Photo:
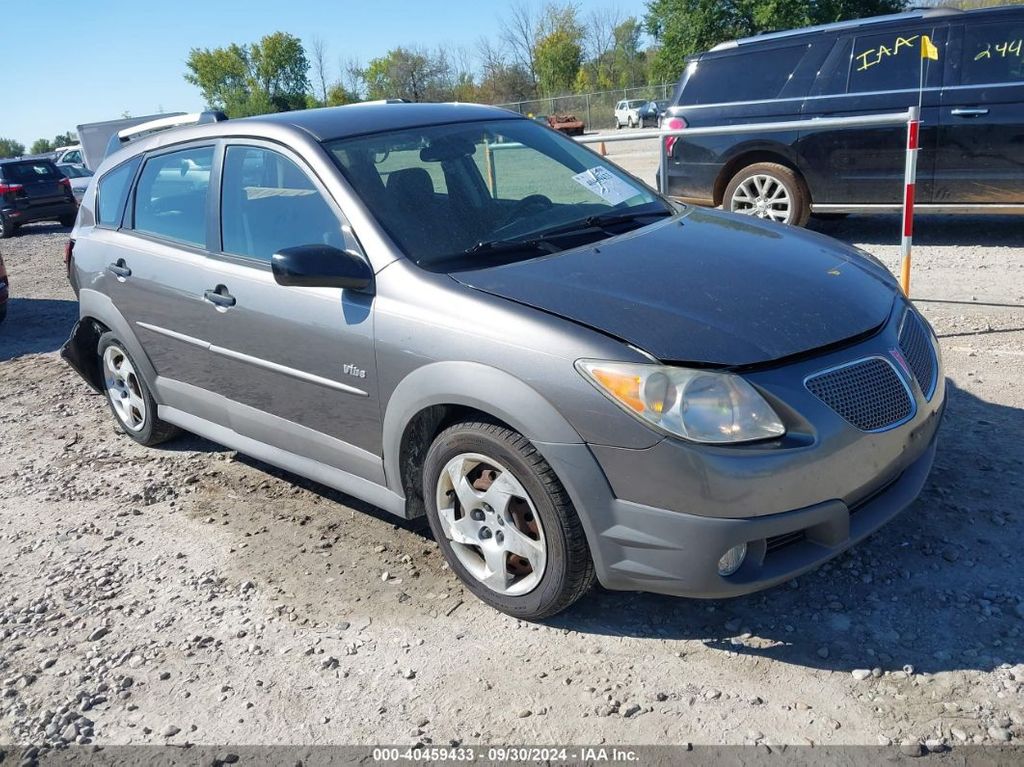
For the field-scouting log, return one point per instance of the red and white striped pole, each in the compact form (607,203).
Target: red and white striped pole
(910,179)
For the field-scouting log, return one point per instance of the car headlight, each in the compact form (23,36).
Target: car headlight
(698,405)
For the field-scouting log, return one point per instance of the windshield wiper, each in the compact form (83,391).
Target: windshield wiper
(499,246)
(601,220)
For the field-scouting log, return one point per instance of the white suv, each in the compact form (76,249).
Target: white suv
(627,112)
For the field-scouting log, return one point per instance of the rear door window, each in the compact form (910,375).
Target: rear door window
(171,196)
(745,76)
(891,62)
(112,192)
(993,53)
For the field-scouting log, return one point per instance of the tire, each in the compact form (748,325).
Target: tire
(630,123)
(7,229)
(618,125)
(771,191)
(128,395)
(68,221)
(519,505)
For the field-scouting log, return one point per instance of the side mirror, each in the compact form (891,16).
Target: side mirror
(321,266)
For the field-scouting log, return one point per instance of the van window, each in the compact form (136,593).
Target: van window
(171,197)
(889,62)
(269,203)
(993,53)
(112,191)
(745,76)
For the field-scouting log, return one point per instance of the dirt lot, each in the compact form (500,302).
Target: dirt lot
(190,594)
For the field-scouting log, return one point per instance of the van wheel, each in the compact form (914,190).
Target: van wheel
(770,191)
(504,522)
(128,395)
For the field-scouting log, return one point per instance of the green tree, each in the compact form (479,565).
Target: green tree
(629,66)
(41,146)
(558,51)
(411,74)
(65,139)
(685,27)
(338,95)
(271,75)
(11,148)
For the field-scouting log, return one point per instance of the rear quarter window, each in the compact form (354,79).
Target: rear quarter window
(112,191)
(744,76)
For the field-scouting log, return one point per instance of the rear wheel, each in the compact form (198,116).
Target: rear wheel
(6,228)
(771,191)
(67,221)
(128,395)
(504,522)
(630,123)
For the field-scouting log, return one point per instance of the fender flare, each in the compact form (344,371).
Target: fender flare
(469,384)
(97,306)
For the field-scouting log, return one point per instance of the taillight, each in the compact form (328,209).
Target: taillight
(5,188)
(674,123)
(69,249)
(66,183)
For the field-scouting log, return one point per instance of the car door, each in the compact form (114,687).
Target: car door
(981,127)
(296,364)
(865,74)
(154,268)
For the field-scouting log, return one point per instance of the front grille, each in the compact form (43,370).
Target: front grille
(919,353)
(868,393)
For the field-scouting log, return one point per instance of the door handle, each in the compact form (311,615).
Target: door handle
(119,269)
(220,297)
(969,112)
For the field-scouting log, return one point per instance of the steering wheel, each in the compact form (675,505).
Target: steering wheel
(536,202)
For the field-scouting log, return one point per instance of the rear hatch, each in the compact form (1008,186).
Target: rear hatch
(34,183)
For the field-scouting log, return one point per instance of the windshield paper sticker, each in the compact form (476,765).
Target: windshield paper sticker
(605,185)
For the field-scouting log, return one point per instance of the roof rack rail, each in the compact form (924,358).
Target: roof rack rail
(135,132)
(925,13)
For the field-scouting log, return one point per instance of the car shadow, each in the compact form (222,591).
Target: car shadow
(36,326)
(936,589)
(985,231)
(37,228)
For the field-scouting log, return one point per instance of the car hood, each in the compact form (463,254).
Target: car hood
(706,287)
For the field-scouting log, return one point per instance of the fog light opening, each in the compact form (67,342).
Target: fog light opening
(732,560)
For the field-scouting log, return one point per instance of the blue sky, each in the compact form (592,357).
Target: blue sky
(100,59)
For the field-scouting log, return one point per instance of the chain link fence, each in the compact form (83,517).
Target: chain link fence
(597,110)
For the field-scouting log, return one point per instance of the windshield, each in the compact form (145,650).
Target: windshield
(455,193)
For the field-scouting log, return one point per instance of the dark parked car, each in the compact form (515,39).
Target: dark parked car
(972,136)
(34,190)
(569,375)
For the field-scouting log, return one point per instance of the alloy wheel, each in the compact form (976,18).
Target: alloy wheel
(493,526)
(124,388)
(763,196)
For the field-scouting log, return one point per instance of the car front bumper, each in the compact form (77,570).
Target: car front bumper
(660,519)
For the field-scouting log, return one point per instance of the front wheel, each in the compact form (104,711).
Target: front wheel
(128,395)
(771,191)
(504,522)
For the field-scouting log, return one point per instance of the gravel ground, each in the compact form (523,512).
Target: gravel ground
(190,594)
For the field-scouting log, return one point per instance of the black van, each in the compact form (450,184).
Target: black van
(972,133)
